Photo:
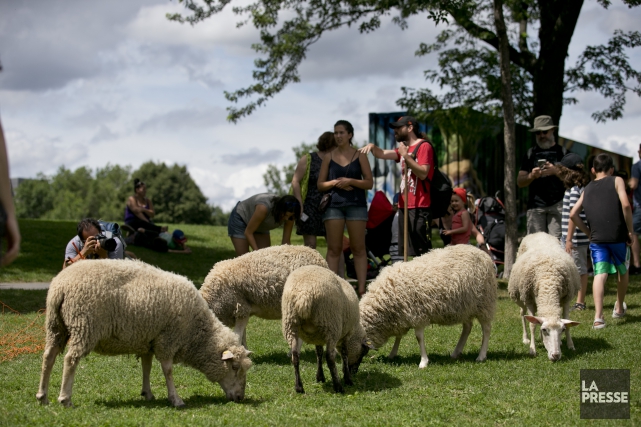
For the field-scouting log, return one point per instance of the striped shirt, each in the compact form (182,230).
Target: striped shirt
(570,198)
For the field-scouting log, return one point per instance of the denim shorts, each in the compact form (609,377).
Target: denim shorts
(236,226)
(348,213)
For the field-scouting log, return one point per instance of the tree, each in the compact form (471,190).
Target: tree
(176,197)
(278,181)
(470,70)
(34,197)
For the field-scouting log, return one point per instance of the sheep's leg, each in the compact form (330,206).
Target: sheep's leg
(486,325)
(167,369)
(532,329)
(72,358)
(467,328)
(296,362)
(146,360)
(347,378)
(394,352)
(526,340)
(320,375)
(48,360)
(421,344)
(568,338)
(240,330)
(330,355)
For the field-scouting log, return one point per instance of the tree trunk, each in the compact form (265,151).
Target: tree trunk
(511,240)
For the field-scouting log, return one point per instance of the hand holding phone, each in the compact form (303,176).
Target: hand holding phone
(541,163)
(304,217)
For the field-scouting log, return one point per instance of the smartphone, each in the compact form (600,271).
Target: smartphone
(541,163)
(304,217)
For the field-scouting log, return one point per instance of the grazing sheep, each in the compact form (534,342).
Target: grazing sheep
(537,240)
(252,284)
(320,308)
(125,307)
(444,287)
(544,280)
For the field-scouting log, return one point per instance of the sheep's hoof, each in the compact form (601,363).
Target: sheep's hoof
(338,388)
(526,341)
(42,398)
(177,402)
(481,359)
(455,355)
(532,352)
(66,402)
(147,395)
(348,381)
(320,378)
(300,389)
(423,364)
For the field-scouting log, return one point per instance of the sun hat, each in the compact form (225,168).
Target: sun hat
(543,123)
(571,160)
(404,121)
(179,236)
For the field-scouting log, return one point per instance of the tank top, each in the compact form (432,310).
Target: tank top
(343,198)
(247,207)
(457,222)
(129,215)
(603,211)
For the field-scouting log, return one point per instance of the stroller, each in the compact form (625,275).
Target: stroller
(378,238)
(490,221)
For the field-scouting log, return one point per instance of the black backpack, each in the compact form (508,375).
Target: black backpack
(440,186)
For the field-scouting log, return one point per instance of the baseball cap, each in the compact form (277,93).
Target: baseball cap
(404,121)
(571,160)
(179,236)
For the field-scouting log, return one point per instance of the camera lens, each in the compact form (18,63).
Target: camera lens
(107,244)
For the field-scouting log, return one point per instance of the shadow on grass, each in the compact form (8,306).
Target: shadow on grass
(24,301)
(445,359)
(364,381)
(193,402)
(281,358)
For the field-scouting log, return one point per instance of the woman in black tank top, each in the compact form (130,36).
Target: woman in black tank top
(346,173)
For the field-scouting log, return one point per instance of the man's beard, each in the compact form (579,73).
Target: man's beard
(545,144)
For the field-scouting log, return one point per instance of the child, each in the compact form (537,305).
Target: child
(608,211)
(461,221)
(574,177)
(176,242)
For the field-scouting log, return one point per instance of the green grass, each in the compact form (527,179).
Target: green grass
(510,388)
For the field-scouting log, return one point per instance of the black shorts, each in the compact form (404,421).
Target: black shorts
(419,238)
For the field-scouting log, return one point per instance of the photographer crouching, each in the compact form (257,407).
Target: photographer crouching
(92,242)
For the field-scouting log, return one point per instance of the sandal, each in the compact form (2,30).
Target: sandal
(578,306)
(598,324)
(616,315)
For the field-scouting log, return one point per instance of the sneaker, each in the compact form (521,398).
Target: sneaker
(598,324)
(635,271)
(578,306)
(616,315)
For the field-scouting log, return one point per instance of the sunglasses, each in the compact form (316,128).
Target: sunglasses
(541,132)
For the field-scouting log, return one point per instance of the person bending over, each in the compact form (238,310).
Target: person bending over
(91,242)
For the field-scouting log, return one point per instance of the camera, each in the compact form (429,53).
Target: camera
(107,243)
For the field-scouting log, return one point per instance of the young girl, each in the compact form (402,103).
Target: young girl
(575,243)
(461,221)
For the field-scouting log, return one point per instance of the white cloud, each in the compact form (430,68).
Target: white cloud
(104,134)
(203,116)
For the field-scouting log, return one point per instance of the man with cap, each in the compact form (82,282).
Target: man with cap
(636,214)
(539,173)
(417,170)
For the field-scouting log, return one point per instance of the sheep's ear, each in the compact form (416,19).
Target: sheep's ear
(534,319)
(369,344)
(248,353)
(227,355)
(570,323)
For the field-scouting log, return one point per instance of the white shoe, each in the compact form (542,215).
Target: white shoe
(616,315)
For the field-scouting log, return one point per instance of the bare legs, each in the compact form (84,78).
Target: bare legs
(241,246)
(356,231)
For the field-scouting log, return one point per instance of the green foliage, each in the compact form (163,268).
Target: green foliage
(176,197)
(468,69)
(277,180)
(81,193)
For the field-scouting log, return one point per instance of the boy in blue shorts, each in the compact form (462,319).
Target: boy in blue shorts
(609,214)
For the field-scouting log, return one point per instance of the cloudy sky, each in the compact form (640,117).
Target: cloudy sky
(87,83)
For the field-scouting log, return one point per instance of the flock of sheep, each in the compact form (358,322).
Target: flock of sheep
(129,307)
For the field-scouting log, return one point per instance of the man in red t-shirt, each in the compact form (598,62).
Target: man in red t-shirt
(420,167)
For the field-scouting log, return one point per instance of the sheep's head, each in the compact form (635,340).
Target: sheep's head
(356,352)
(236,363)
(551,331)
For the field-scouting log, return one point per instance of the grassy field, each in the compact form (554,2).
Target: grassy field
(510,388)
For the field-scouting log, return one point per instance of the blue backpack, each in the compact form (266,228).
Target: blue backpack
(112,229)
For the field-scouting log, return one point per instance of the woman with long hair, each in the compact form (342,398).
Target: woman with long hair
(346,173)
(305,189)
(139,210)
(252,219)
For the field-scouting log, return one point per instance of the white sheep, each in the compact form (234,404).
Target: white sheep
(252,284)
(124,307)
(320,308)
(537,240)
(543,281)
(444,287)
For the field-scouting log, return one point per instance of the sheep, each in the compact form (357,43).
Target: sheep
(543,281)
(252,284)
(128,307)
(320,308)
(444,287)
(539,240)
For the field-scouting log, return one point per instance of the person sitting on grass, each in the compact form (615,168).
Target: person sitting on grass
(139,210)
